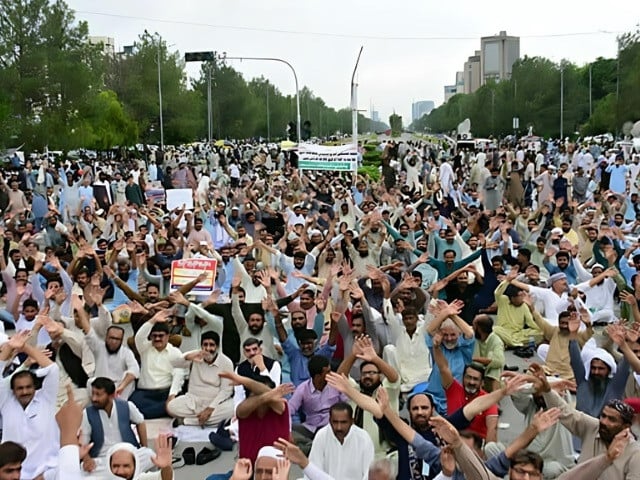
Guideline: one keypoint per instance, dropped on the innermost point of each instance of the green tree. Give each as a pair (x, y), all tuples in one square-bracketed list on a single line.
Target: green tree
[(395, 121), (49, 69), (134, 77)]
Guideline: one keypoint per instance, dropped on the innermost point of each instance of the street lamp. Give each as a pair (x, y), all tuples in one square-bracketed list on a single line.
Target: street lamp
[(156, 34), (295, 77), (561, 102), (354, 102), (205, 57)]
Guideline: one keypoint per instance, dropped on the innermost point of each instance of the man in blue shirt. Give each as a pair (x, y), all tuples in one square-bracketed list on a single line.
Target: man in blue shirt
[(300, 354)]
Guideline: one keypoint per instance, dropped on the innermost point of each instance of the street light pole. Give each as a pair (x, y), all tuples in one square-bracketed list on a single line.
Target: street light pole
[(160, 94), (209, 119), (354, 102), (295, 77), (561, 103)]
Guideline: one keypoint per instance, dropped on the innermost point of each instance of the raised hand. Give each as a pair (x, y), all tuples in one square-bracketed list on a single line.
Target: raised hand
[(281, 470), (382, 397), (291, 452), (367, 352), (545, 419), (445, 430), (574, 323), (618, 444), (242, 470), (338, 381), (162, 458), (617, 333), (538, 372), (18, 340), (514, 384)]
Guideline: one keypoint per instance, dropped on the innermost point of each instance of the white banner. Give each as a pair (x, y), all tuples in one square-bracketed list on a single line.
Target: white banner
[(340, 158)]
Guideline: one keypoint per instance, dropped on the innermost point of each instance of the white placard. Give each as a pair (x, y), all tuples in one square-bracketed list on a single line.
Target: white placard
[(176, 197)]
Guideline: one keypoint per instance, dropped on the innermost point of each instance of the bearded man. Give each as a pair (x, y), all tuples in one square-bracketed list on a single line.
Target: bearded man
[(485, 424), (113, 360)]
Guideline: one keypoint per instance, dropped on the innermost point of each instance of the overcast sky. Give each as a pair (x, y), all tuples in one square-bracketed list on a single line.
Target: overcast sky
[(412, 48)]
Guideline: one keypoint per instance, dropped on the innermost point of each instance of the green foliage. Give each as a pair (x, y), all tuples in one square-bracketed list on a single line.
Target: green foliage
[(370, 171), (533, 95), (395, 121)]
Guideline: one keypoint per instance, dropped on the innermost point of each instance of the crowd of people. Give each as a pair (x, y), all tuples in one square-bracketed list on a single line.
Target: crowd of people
[(340, 304)]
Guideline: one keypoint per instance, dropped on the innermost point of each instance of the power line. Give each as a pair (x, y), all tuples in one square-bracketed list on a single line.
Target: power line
[(329, 34)]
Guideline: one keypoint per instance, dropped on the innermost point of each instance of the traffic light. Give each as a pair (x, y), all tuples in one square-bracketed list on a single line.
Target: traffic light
[(199, 56)]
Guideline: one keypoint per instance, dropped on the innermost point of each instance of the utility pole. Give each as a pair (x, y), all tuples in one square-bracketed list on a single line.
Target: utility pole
[(209, 57), (354, 102), (268, 116), (561, 102), (590, 92)]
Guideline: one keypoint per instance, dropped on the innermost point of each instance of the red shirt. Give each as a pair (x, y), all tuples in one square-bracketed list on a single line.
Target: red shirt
[(457, 398), (256, 432)]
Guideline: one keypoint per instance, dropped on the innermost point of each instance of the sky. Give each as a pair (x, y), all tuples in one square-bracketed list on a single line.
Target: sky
[(412, 48)]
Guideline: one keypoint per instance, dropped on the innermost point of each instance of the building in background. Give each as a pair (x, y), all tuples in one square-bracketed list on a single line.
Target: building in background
[(473, 73), (423, 107), (499, 53), (493, 62), (451, 90), (108, 44)]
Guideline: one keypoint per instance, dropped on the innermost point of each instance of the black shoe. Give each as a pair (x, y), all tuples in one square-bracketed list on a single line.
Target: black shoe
[(511, 368), (173, 439), (207, 455), (189, 456), (524, 352), (221, 441), (177, 422)]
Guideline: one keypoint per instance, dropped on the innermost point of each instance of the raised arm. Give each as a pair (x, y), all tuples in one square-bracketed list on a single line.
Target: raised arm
[(441, 361)]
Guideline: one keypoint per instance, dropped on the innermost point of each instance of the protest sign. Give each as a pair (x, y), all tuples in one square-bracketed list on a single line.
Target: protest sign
[(176, 197), (185, 271), (339, 158)]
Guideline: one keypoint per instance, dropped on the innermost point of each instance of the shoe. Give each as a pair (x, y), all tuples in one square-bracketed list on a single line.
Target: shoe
[(189, 456), (174, 441), (207, 455), (178, 462), (511, 368), (222, 442), (177, 422), (523, 352)]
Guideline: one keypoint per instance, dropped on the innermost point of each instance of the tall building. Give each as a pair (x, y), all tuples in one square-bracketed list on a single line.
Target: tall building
[(449, 91), (423, 107), (375, 115), (499, 53), (473, 73), (108, 44)]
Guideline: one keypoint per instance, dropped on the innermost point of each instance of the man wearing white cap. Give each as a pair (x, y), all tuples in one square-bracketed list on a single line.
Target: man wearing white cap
[(554, 299), (599, 293)]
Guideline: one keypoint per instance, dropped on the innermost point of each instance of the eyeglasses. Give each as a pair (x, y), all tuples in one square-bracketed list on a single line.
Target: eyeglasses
[(521, 472), (158, 335), (370, 374)]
